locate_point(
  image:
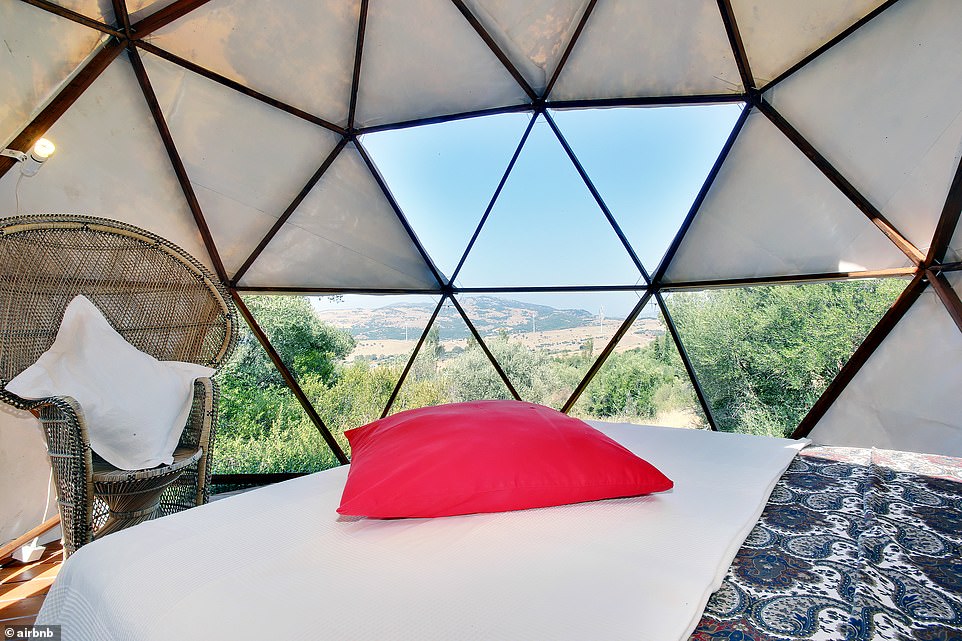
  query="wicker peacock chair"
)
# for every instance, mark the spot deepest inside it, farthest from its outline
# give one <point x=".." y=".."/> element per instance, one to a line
<point x="159" y="299"/>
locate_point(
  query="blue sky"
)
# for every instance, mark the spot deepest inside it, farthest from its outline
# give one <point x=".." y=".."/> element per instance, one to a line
<point x="545" y="228"/>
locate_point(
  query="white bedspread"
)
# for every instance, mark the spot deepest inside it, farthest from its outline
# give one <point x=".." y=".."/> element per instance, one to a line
<point x="280" y="563"/>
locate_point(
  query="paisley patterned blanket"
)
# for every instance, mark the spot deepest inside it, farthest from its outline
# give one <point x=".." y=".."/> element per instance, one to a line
<point x="854" y="544"/>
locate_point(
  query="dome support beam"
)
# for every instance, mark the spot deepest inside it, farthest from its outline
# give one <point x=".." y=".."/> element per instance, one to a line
<point x="942" y="287"/>
<point x="165" y="16"/>
<point x="333" y="291"/>
<point x="123" y="18"/>
<point x="738" y="47"/>
<point x="790" y="279"/>
<point x="484" y="348"/>
<point x="494" y="198"/>
<point x="265" y="241"/>
<point x="828" y="45"/>
<point x="63" y="100"/>
<point x="79" y="18"/>
<point x="845" y="375"/>
<point x="568" y="49"/>
<point x="648" y="101"/>
<point x="683" y="353"/>
<point x="948" y="221"/>
<point x="397" y="212"/>
<point x="436" y="120"/>
<point x="835" y="176"/>
<point x="598" y="199"/>
<point x="495" y="49"/>
<point x="238" y="87"/>
<point x="659" y="275"/>
<point x="178" y="165"/>
<point x="288" y="377"/>
<point x="414" y="354"/>
<point x="358" y="52"/>
<point x="607" y="351"/>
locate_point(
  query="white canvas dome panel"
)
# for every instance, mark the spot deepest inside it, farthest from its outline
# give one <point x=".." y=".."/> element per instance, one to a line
<point x="102" y="10"/>
<point x="301" y="53"/>
<point x="650" y="48"/>
<point x="533" y="34"/>
<point x="409" y="72"/>
<point x="884" y="107"/>
<point x="33" y="67"/>
<point x="117" y="166"/>
<point x="896" y="401"/>
<point x="779" y="33"/>
<point x="771" y="212"/>
<point x="246" y="161"/>
<point x="344" y="234"/>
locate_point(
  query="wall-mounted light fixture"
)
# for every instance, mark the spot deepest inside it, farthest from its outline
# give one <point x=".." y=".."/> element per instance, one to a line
<point x="30" y="161"/>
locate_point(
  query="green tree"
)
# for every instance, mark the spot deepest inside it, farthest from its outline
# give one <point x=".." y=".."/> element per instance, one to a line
<point x="259" y="417"/>
<point x="627" y="384"/>
<point x="306" y="345"/>
<point x="764" y="354"/>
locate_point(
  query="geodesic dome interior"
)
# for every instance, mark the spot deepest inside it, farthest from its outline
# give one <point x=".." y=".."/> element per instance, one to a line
<point x="237" y="131"/>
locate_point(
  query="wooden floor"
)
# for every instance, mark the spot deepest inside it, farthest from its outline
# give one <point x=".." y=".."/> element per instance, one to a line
<point x="23" y="586"/>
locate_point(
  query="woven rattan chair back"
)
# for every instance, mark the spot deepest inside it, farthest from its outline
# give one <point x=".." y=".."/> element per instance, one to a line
<point x="159" y="298"/>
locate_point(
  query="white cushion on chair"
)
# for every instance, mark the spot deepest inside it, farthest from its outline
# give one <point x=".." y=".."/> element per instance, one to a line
<point x="135" y="406"/>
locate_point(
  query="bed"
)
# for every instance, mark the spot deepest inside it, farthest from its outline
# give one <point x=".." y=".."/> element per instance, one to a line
<point x="853" y="544"/>
<point x="818" y="563"/>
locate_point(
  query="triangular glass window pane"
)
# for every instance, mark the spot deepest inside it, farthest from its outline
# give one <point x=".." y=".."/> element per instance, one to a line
<point x="443" y="176"/>
<point x="450" y="367"/>
<point x="244" y="40"/>
<point x="546" y="342"/>
<point x="643" y="381"/>
<point x="764" y="354"/>
<point x="422" y="59"/>
<point x="546" y="229"/>
<point x="648" y="164"/>
<point x="311" y="348"/>
<point x="224" y="138"/>
<point x="385" y="330"/>
<point x="262" y="428"/>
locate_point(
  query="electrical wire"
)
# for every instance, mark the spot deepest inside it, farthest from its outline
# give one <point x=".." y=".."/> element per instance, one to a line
<point x="17" y="193"/>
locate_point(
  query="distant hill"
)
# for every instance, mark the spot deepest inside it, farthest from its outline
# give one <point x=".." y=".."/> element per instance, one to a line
<point x="488" y="313"/>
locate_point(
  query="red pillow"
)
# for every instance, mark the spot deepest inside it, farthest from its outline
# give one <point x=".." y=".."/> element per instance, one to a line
<point x="486" y="456"/>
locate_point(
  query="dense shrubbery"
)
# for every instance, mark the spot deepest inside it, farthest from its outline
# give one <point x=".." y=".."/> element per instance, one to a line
<point x="763" y="355"/>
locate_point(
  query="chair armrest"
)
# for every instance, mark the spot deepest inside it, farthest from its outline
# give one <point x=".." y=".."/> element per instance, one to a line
<point x="199" y="432"/>
<point x="68" y="446"/>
